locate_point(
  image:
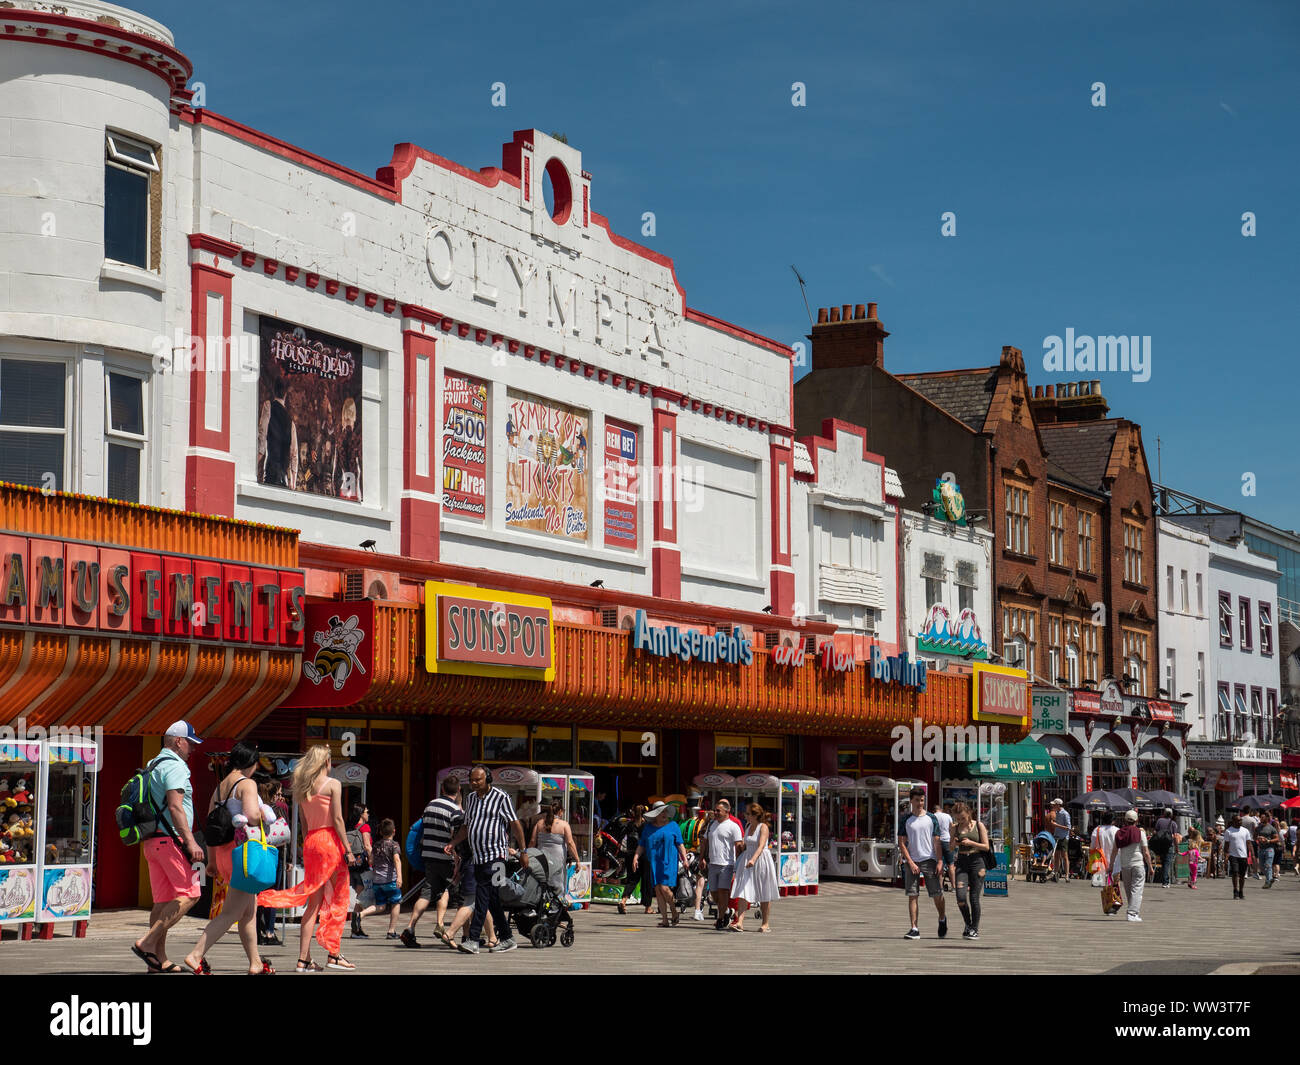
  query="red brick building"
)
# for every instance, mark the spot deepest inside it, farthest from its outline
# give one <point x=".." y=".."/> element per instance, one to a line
<point x="1065" y="489"/>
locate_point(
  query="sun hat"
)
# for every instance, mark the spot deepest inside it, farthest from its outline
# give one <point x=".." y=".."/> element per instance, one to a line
<point x="658" y="808"/>
<point x="1058" y="802"/>
<point x="1130" y="815"/>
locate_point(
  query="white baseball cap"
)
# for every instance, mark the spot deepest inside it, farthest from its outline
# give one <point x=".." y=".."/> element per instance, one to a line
<point x="184" y="730"/>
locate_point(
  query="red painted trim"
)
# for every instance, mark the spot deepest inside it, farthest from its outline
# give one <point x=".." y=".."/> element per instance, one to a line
<point x="331" y="287"/>
<point x="371" y="299"/>
<point x="222" y="124"/>
<point x="781" y="459"/>
<point x="205" y="242"/>
<point x="641" y="250"/>
<point x="312" y="280"/>
<point x="669" y="394"/>
<point x="739" y="332"/>
<point x="351" y="292"/>
<point x="405" y="156"/>
<point x="270" y="266"/>
<point x="664" y="419"/>
<point x="205" y="280"/>
<point x="139" y="42"/>
<point x="291" y="273"/>
<point x="420" y="314"/>
<point x="830" y="427"/>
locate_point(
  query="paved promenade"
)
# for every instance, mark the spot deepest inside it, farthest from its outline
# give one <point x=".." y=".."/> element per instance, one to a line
<point x="848" y="928"/>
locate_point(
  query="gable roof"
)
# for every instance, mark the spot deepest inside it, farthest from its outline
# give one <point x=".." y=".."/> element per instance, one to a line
<point x="1081" y="450"/>
<point x="965" y="394"/>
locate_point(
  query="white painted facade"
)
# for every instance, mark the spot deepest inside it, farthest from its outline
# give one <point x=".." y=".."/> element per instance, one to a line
<point x="477" y="250"/>
<point x="845" y="538"/>
<point x="1240" y="665"/>
<point x="947" y="566"/>
<point x="1187" y="659"/>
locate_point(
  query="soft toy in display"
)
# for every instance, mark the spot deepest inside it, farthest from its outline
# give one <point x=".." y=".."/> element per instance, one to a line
<point x="21" y="794"/>
<point x="4" y="788"/>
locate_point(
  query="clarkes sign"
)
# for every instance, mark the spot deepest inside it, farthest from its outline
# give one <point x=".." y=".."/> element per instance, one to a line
<point x="487" y="633"/>
<point x="114" y="591"/>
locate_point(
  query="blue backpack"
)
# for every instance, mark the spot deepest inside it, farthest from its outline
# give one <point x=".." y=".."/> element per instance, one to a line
<point x="414" y="839"/>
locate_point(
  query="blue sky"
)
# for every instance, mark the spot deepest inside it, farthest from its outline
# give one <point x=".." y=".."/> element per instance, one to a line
<point x="1117" y="220"/>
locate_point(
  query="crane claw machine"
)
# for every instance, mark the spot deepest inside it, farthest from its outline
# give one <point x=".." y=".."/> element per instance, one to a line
<point x="576" y="791"/>
<point x="20" y="766"/>
<point x="878" y="850"/>
<point x="843" y="828"/>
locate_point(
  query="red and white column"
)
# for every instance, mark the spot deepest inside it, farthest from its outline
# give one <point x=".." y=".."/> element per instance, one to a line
<point x="781" y="579"/>
<point x="665" y="555"/>
<point x="420" y="511"/>
<point x="209" y="467"/>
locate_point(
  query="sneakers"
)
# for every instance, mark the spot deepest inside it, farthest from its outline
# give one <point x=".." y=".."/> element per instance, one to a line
<point x="699" y="915"/>
<point x="943" y="928"/>
<point x="913" y="934"/>
<point x="1267" y="884"/>
<point x="1135" y="918"/>
<point x="465" y="946"/>
<point x="502" y="946"/>
<point x="974" y="934"/>
<point x="391" y="935"/>
<point x="966" y="933"/>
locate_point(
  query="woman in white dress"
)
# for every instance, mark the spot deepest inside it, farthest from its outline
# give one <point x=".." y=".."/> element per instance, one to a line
<point x="755" y="871"/>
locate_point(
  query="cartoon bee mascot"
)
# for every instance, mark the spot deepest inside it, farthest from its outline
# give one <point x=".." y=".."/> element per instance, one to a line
<point x="337" y="656"/>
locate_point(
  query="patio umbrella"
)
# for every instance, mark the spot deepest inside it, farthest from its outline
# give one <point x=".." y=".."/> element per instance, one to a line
<point x="1264" y="801"/>
<point x="1291" y="804"/>
<point x="1137" y="799"/>
<point x="1100" y="800"/>
<point x="1166" y="798"/>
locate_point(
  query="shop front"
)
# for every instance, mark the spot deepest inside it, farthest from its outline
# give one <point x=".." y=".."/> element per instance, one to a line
<point x="641" y="696"/>
<point x="115" y="621"/>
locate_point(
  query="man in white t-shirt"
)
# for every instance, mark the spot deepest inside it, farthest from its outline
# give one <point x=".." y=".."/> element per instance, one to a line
<point x="1250" y="823"/>
<point x="945" y="837"/>
<point x="922" y="851"/>
<point x="719" y="851"/>
<point x="1238" y="840"/>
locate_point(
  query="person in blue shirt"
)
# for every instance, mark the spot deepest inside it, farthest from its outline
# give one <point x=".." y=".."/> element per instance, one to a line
<point x="661" y="844"/>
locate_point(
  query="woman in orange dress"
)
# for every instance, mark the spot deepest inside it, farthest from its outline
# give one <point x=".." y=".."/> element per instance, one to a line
<point x="325" y="857"/>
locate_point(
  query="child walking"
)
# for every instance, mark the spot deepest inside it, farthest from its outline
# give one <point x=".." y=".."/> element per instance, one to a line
<point x="386" y="867"/>
<point x="1194" y="844"/>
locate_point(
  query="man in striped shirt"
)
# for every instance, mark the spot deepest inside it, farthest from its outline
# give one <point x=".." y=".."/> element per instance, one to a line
<point x="441" y="819"/>
<point x="490" y="820"/>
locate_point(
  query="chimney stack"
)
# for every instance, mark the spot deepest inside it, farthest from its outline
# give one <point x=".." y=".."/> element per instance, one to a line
<point x="848" y="335"/>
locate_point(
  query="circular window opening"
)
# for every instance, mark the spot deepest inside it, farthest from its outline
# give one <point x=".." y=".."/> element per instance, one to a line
<point x="557" y="193"/>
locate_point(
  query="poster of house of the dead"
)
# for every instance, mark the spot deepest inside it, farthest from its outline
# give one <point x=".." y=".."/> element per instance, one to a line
<point x="546" y="475"/>
<point x="309" y="411"/>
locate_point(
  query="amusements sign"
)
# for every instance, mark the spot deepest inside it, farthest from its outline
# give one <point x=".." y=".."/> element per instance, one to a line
<point x="309" y="411"/>
<point x="464" y="447"/>
<point x="620" y="485"/>
<point x="546" y="480"/>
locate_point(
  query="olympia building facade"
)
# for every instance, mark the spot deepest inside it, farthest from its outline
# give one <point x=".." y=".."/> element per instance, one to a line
<point x="410" y="458"/>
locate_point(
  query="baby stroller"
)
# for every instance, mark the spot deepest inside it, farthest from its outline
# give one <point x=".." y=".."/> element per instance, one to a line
<point x="1040" y="860"/>
<point x="687" y="877"/>
<point x="537" y="909"/>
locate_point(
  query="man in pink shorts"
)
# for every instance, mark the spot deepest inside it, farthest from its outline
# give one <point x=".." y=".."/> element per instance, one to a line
<point x="172" y="850"/>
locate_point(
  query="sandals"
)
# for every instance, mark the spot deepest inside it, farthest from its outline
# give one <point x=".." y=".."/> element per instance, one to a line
<point x="337" y="961"/>
<point x="267" y="970"/>
<point x="306" y="965"/>
<point x="150" y="959"/>
<point x="202" y="969"/>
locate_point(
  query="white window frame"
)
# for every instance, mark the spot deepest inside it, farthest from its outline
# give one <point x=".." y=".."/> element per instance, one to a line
<point x="121" y="438"/>
<point x="114" y="141"/>
<point x="69" y="384"/>
<point x="1072" y="664"/>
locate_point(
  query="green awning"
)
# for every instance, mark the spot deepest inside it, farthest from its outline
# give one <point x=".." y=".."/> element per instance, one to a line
<point x="1026" y="760"/>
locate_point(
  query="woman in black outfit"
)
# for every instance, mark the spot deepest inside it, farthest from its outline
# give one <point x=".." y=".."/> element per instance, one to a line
<point x="642" y="876"/>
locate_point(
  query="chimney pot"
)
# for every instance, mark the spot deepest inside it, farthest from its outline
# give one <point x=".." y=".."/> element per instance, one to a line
<point x="859" y="312"/>
<point x="1051" y="391"/>
<point x="844" y="313"/>
<point x="1096" y="388"/>
<point x="871" y="310"/>
<point x="835" y="314"/>
<point x="821" y="316"/>
<point x="1038" y="391"/>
